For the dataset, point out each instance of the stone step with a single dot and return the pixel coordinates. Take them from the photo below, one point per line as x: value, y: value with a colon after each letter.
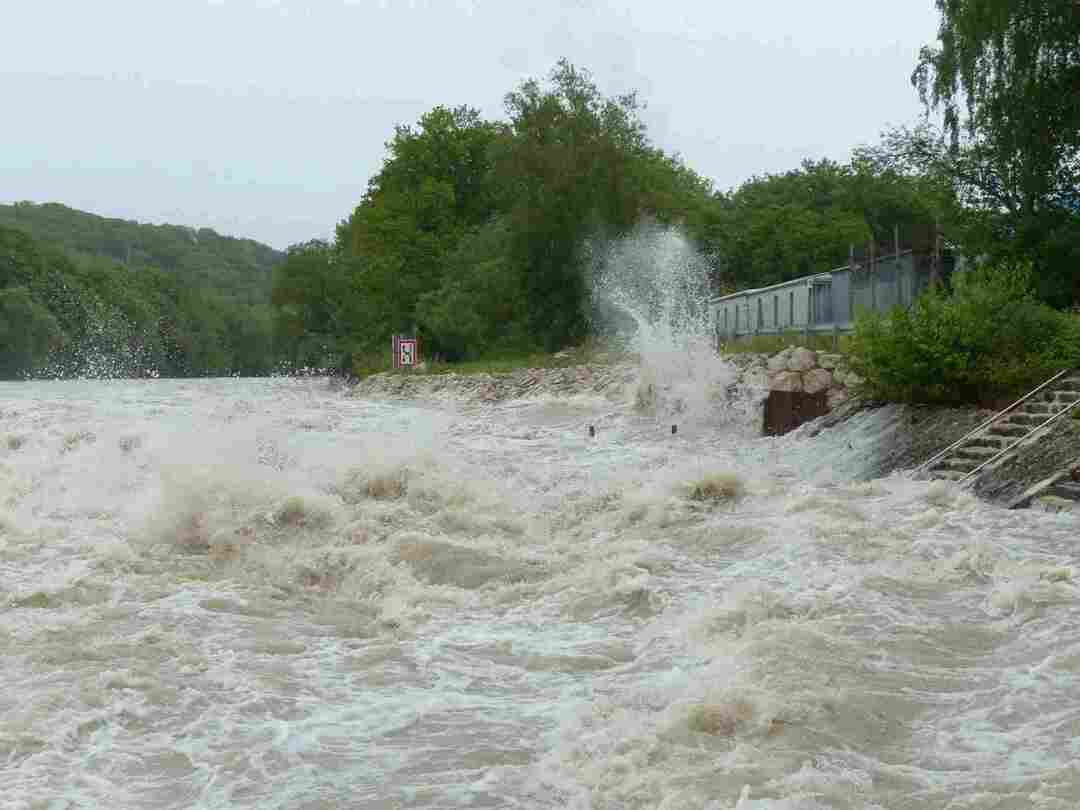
x: 979, y: 451
x: 1005, y: 429
x: 948, y: 475
x: 963, y: 465
x: 1032, y: 419
x: 997, y: 443
x: 1057, y: 395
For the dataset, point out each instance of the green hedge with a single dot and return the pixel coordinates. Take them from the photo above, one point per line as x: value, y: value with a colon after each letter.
x: 985, y: 339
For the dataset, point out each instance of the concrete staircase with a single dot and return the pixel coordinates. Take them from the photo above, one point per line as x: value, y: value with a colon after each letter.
x: 1008, y: 431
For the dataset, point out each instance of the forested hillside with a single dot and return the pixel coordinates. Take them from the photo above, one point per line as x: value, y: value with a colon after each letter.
x: 241, y: 268
x: 69, y: 313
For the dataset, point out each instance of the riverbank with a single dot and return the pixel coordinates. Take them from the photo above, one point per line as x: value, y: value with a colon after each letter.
x: 913, y: 434
x: 610, y: 380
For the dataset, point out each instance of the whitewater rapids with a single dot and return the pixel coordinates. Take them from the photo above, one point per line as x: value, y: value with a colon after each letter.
x: 266, y: 594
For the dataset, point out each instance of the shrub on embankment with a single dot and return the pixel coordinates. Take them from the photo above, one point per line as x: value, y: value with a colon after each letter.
x: 984, y: 340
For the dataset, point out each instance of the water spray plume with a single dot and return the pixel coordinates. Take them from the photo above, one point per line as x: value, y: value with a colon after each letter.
x: 650, y: 296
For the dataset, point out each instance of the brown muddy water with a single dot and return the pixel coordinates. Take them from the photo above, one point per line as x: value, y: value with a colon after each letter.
x: 267, y: 594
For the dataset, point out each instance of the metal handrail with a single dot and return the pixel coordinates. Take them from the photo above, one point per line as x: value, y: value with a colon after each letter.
x: 989, y: 422
x: 1019, y: 441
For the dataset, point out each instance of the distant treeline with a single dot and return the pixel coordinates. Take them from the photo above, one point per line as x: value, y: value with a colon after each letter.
x: 85, y: 295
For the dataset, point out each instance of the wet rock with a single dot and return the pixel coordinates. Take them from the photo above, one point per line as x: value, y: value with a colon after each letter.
x: 816, y: 379
x: 830, y: 361
x: 802, y: 359
x: 779, y: 362
x: 837, y: 397
x: 787, y: 381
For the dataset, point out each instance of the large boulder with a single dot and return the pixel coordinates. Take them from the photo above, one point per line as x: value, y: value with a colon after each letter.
x: 779, y: 361
x: 830, y: 361
x: 816, y: 379
x: 786, y: 381
x: 851, y: 379
x: 836, y: 397
x: 755, y: 377
x: 801, y: 359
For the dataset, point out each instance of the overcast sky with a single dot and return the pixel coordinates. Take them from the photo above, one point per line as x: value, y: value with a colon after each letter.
x: 265, y: 118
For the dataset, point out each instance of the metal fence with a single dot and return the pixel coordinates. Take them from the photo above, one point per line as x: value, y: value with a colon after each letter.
x: 826, y: 303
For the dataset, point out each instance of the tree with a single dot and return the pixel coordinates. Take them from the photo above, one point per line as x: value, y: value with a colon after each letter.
x: 480, y: 306
x: 781, y: 226
x: 91, y: 316
x: 434, y: 187
x: 1006, y: 75
x: 27, y: 332
x: 575, y: 164
x: 311, y: 291
x: 238, y: 267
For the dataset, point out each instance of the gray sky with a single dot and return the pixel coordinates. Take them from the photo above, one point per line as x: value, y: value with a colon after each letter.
x: 265, y: 118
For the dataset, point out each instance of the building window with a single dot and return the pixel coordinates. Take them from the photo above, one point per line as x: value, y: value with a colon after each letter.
x: 791, y: 309
x: 776, y: 312
x: 760, y: 315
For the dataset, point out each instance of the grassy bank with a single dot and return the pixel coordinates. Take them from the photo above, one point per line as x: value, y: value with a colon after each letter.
x: 364, y: 365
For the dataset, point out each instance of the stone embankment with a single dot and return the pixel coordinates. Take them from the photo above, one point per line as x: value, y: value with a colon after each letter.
x: 795, y: 369
x: 608, y: 381
x: 915, y: 433
x: 799, y: 370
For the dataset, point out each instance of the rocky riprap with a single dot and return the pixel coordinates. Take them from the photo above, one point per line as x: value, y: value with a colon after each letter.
x: 797, y: 368
x: 604, y: 380
x: 793, y: 369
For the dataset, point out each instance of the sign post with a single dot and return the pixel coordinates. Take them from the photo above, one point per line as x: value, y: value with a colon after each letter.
x: 406, y: 352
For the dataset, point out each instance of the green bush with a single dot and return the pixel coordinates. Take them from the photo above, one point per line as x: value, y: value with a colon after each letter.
x: 986, y: 339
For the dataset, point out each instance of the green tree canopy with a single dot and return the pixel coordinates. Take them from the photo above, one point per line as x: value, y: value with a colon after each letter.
x: 473, y: 230
x: 67, y: 313
x: 1006, y: 75
x: 433, y: 188
x: 781, y: 226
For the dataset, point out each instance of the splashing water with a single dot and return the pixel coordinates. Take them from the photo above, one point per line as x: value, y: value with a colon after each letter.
x: 650, y: 292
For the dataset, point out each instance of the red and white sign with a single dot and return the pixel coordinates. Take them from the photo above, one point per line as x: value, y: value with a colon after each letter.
x: 406, y: 352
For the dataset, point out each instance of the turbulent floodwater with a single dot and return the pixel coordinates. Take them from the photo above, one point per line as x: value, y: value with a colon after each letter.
x: 265, y: 594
